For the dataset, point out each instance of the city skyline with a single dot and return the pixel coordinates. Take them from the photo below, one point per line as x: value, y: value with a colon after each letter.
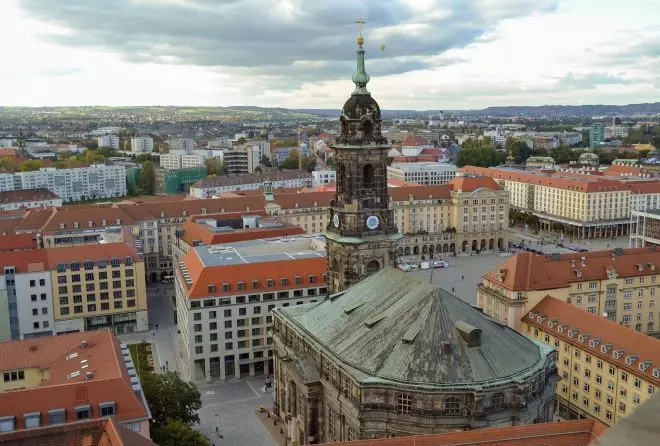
x: 299, y: 54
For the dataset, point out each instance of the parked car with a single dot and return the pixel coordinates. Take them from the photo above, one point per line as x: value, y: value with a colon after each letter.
x: 403, y: 267
x: 424, y: 265
x: 440, y: 264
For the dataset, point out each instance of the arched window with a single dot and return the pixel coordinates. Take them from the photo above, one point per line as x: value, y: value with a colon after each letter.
x: 497, y: 401
x: 368, y: 130
x: 368, y: 176
x: 373, y: 267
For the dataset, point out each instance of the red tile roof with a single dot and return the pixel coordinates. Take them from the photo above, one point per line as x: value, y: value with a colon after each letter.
x: 573, y: 322
x: 201, y: 232
x: 472, y: 183
x: 101, y: 251
x: 54, y: 355
x: 439, y: 192
x: 23, y: 195
x: 565, y: 433
x: 527, y: 271
x: 16, y: 242
x: 29, y: 260
x: 97, y: 432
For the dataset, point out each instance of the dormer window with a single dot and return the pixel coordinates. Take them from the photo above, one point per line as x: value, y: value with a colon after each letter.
x: 225, y: 287
x: 644, y: 365
x: 540, y: 319
x: 631, y: 359
x: 32, y: 419
x: 82, y: 412
x: 583, y: 337
x: 617, y: 353
x: 107, y: 408
x: 593, y: 343
x: 562, y: 328
x: 56, y: 416
x: 605, y: 348
x: 656, y: 373
x: 211, y: 288
x: 572, y: 333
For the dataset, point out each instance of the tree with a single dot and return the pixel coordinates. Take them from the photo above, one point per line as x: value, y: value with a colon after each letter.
x: 292, y: 161
x: 177, y: 433
x: 8, y: 163
x: 308, y: 163
x: 265, y: 161
x: 519, y: 149
x: 170, y: 397
x: 564, y: 154
x: 30, y: 165
x: 214, y: 166
x: 240, y: 140
x: 483, y: 157
x: 147, y: 177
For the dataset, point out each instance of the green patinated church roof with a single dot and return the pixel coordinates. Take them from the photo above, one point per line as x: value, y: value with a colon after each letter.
x: 392, y: 327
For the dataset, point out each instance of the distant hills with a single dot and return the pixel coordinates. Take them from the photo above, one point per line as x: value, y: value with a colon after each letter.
x: 247, y: 113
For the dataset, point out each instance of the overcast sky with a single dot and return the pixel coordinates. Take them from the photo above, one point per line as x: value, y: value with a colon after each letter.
x: 438, y: 54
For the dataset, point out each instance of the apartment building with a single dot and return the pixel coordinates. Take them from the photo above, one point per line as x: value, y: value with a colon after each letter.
x: 646, y: 228
x: 26, y: 303
x: 586, y: 205
x: 621, y: 283
x: 95, y: 181
x: 181, y: 159
x: 215, y: 186
x: 596, y: 134
x: 111, y: 141
x: 320, y: 177
x: 98, y: 286
x: 28, y: 198
x: 142, y: 144
x: 236, y: 161
x: 607, y: 370
x: 67, y: 379
x: 180, y: 144
x: 427, y: 174
x: 225, y: 293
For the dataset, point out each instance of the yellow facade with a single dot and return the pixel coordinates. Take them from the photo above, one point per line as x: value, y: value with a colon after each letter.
x: 592, y: 386
x: 627, y: 300
x: 22, y: 378
x: 95, y: 290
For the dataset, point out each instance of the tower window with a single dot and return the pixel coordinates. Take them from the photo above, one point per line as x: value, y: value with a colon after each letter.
x: 368, y: 176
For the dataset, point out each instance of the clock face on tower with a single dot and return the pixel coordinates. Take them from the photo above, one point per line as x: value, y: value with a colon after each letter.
x: 335, y: 220
x: 372, y: 222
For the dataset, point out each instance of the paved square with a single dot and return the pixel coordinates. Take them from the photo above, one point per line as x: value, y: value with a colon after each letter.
x: 232, y: 407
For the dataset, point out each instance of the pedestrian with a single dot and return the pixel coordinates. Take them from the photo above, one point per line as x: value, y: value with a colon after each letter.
x: 452, y: 289
x: 156, y: 326
x: 462, y: 277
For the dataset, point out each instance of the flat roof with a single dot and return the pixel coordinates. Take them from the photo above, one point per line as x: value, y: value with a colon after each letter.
x: 263, y: 250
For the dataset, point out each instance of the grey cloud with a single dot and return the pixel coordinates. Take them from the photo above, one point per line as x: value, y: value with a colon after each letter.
x: 260, y: 38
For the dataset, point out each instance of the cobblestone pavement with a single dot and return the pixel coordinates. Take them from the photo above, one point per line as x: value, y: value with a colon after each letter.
x: 232, y: 407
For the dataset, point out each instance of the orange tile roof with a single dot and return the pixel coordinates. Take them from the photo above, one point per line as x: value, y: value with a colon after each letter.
x: 439, y: 192
x: 201, y: 232
x: 110, y: 381
x: 565, y: 433
x: 23, y: 195
x: 100, y: 251
x: 586, y: 183
x: 203, y: 276
x: 471, y: 183
x: 527, y: 271
x: 97, y: 432
x: 573, y: 322
x: 15, y: 242
x: 29, y: 260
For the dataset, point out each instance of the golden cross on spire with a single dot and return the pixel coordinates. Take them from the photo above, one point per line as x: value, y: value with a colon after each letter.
x: 360, y: 39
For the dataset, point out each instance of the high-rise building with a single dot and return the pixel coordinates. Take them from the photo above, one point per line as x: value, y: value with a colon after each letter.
x: 111, y: 141
x: 362, y: 235
x: 596, y: 134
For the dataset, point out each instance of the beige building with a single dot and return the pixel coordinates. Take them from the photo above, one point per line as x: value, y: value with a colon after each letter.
x: 623, y: 283
x: 96, y: 287
x: 607, y: 370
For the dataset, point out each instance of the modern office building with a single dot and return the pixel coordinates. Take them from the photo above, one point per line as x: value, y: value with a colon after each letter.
x: 225, y: 294
x: 176, y: 181
x: 621, y: 283
x: 596, y: 134
x: 142, y: 144
x: 28, y: 199
x: 394, y: 356
x: 607, y: 370
x: 98, y: 286
x: 68, y: 379
x: 111, y: 141
x: 422, y: 173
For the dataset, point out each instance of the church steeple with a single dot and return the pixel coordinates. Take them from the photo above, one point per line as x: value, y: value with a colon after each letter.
x: 360, y: 78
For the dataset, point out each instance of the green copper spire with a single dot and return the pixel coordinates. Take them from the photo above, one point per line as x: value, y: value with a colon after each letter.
x: 360, y: 78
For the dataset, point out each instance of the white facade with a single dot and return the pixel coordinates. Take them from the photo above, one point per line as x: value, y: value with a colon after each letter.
x: 142, y: 144
x: 50, y: 202
x: 7, y: 142
x: 108, y: 141
x: 615, y: 131
x: 213, y: 187
x: 498, y: 136
x: 7, y: 182
x: 422, y: 173
x: 95, y: 181
x: 34, y: 304
x: 182, y: 144
x: 323, y: 177
x: 570, y: 138
x: 182, y: 160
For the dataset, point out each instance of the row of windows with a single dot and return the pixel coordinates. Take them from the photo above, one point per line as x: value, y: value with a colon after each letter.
x: 102, y: 275
x: 270, y: 283
x: 89, y: 264
x: 105, y: 306
x: 57, y: 416
x: 104, y: 295
x: 253, y: 298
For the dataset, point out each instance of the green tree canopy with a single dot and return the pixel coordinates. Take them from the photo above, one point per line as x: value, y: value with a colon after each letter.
x: 564, y: 154
x: 265, y: 161
x: 519, y: 149
x: 177, y: 433
x: 308, y: 163
x: 483, y: 157
x: 30, y: 165
x: 214, y: 166
x: 8, y: 163
x: 147, y: 177
x: 292, y: 161
x: 470, y: 143
x: 172, y: 398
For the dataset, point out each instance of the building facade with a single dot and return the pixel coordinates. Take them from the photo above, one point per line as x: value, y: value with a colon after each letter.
x: 216, y: 186
x: 320, y: 177
x: 182, y: 144
x: 422, y: 173
x: 607, y: 370
x: 236, y: 161
x: 28, y: 199
x: 596, y: 134
x: 621, y: 283
x: 111, y: 141
x: 142, y: 144
x: 180, y: 159
x: 356, y: 365
x: 225, y: 295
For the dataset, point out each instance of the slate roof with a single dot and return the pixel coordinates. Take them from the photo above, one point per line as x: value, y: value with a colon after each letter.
x: 392, y: 327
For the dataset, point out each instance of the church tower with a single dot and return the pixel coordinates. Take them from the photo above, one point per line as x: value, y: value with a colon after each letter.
x: 362, y: 234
